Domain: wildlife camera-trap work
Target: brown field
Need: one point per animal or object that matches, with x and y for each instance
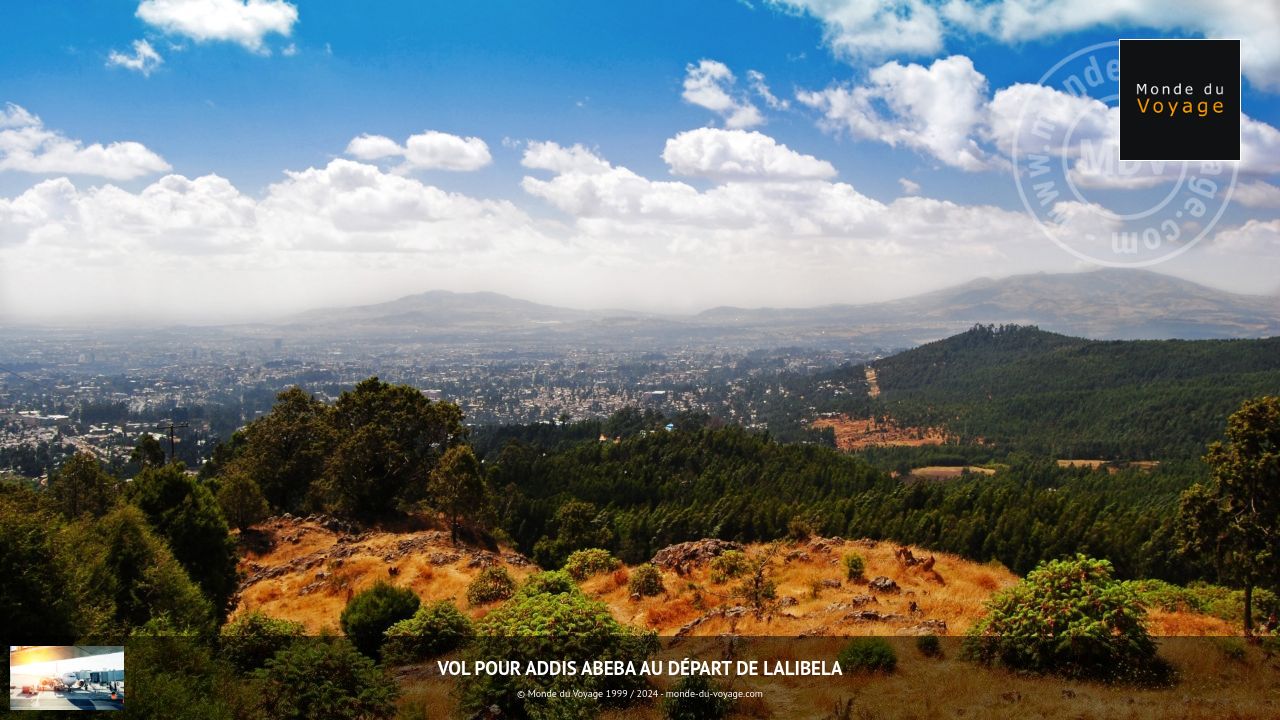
(1111, 466)
(854, 434)
(931, 473)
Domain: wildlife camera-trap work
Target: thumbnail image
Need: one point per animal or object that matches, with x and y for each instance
(66, 677)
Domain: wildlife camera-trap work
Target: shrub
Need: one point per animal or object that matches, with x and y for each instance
(556, 582)
(694, 699)
(368, 615)
(251, 639)
(645, 580)
(727, 565)
(929, 646)
(800, 529)
(433, 630)
(493, 584)
(583, 564)
(1068, 617)
(535, 626)
(868, 655)
(325, 679)
(854, 566)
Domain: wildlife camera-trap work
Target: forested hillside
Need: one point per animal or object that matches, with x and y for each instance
(1020, 388)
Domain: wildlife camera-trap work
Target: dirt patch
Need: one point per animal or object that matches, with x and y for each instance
(854, 434)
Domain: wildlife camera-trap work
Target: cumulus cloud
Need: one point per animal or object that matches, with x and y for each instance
(935, 110)
(551, 156)
(430, 150)
(909, 186)
(944, 112)
(715, 153)
(174, 215)
(1257, 194)
(245, 22)
(1255, 237)
(27, 145)
(873, 30)
(710, 84)
(144, 59)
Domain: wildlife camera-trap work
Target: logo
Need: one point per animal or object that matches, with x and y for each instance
(1066, 156)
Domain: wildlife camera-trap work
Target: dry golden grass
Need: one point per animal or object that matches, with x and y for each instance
(321, 607)
(1213, 682)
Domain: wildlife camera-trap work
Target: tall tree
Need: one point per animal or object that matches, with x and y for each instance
(186, 514)
(82, 486)
(1235, 519)
(285, 450)
(459, 489)
(148, 452)
(241, 500)
(389, 438)
(133, 581)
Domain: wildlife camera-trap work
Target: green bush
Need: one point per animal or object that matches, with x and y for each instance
(1201, 597)
(536, 626)
(325, 679)
(646, 580)
(727, 565)
(493, 584)
(252, 638)
(368, 615)
(929, 646)
(854, 566)
(583, 564)
(1068, 617)
(433, 630)
(694, 699)
(868, 655)
(555, 582)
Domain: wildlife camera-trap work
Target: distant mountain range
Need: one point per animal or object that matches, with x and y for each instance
(1101, 304)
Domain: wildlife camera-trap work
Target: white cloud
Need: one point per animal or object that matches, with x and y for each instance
(374, 147)
(741, 154)
(27, 145)
(144, 59)
(430, 150)
(1255, 237)
(174, 215)
(1259, 147)
(873, 30)
(935, 110)
(944, 112)
(909, 186)
(710, 84)
(245, 22)
(551, 156)
(1257, 194)
(761, 88)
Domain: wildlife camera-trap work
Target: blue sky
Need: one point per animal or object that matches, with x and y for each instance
(244, 188)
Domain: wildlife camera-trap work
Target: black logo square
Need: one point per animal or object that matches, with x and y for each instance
(1180, 100)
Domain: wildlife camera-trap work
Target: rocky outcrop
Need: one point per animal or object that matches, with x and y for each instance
(686, 556)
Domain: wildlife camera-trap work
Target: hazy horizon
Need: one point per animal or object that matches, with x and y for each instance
(166, 164)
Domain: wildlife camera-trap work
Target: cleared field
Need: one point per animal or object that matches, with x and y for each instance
(854, 434)
(931, 473)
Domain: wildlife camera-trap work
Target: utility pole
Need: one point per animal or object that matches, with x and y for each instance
(173, 441)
